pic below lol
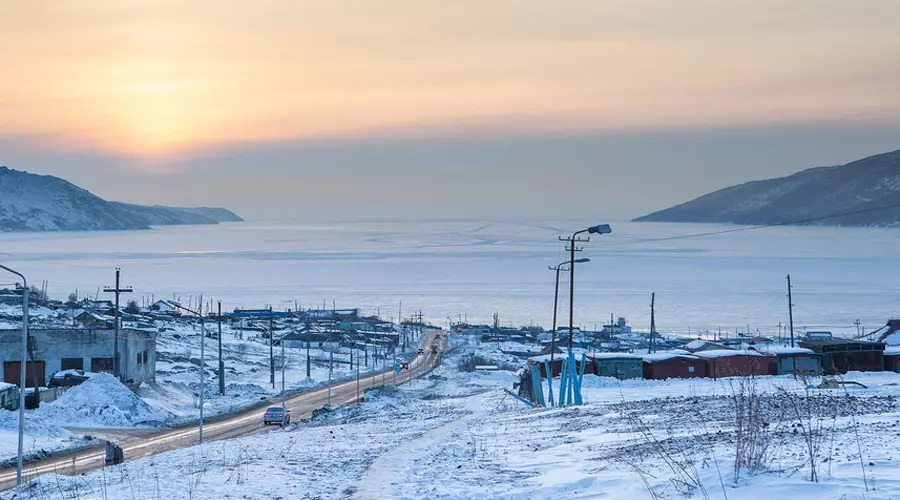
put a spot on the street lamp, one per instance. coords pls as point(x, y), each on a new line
point(598, 229)
point(558, 268)
point(22, 372)
point(202, 354)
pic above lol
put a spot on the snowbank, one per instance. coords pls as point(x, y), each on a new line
point(102, 401)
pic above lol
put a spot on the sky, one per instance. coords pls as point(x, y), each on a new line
point(420, 108)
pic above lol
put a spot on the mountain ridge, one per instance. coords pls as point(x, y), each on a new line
point(864, 192)
point(33, 202)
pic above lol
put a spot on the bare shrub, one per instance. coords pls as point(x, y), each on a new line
point(752, 436)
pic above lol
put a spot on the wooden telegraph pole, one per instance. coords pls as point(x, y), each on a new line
point(117, 290)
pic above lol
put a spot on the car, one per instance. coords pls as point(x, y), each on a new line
point(277, 415)
point(404, 366)
point(421, 351)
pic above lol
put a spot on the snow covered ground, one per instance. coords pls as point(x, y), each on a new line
point(174, 398)
point(457, 435)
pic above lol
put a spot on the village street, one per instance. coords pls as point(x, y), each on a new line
point(143, 442)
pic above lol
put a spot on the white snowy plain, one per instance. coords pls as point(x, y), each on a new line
point(457, 435)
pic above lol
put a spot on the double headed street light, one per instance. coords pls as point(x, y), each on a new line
point(22, 372)
point(558, 268)
point(598, 229)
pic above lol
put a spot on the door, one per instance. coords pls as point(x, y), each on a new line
point(12, 370)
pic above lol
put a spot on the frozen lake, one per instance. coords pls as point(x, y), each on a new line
point(732, 280)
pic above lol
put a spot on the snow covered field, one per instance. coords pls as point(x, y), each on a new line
point(457, 435)
point(479, 267)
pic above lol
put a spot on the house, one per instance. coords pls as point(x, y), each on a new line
point(90, 319)
point(58, 349)
point(165, 307)
point(844, 355)
point(792, 360)
point(673, 364)
point(703, 345)
point(734, 363)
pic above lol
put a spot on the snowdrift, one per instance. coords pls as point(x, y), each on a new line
point(102, 401)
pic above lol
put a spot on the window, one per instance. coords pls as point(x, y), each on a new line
point(72, 364)
point(101, 364)
point(690, 369)
point(145, 357)
point(140, 358)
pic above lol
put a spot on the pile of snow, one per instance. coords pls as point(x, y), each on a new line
point(102, 401)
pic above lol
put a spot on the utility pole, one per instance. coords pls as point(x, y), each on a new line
point(221, 360)
point(283, 405)
point(400, 324)
point(790, 309)
point(202, 364)
point(271, 348)
point(357, 377)
point(571, 247)
point(652, 320)
point(117, 290)
point(330, 365)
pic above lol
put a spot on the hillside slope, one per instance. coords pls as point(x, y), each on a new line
point(847, 195)
point(30, 202)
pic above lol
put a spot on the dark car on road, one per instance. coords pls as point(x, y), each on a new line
point(277, 415)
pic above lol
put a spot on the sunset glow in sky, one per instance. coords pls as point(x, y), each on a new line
point(144, 80)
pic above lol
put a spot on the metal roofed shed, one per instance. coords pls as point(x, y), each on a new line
point(844, 355)
point(729, 363)
point(793, 360)
point(618, 365)
point(892, 359)
point(556, 366)
point(672, 364)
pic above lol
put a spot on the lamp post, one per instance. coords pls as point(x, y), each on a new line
point(22, 372)
point(202, 355)
point(558, 268)
point(598, 229)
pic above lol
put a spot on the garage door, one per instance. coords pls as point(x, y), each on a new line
point(12, 370)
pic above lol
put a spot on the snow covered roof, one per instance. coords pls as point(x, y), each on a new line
point(4, 386)
point(614, 355)
point(695, 344)
point(724, 353)
point(892, 350)
point(784, 351)
point(666, 355)
point(546, 357)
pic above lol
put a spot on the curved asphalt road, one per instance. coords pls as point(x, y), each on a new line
point(143, 443)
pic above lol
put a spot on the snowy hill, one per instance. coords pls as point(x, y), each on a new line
point(30, 202)
point(858, 190)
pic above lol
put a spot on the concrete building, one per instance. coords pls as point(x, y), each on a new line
point(79, 349)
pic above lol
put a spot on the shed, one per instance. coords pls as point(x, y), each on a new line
point(9, 396)
point(844, 355)
point(619, 365)
point(792, 360)
point(892, 359)
point(670, 364)
point(728, 363)
point(556, 366)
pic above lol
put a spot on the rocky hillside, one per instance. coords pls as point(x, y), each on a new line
point(862, 193)
point(30, 202)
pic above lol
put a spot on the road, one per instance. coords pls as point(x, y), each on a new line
point(143, 443)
